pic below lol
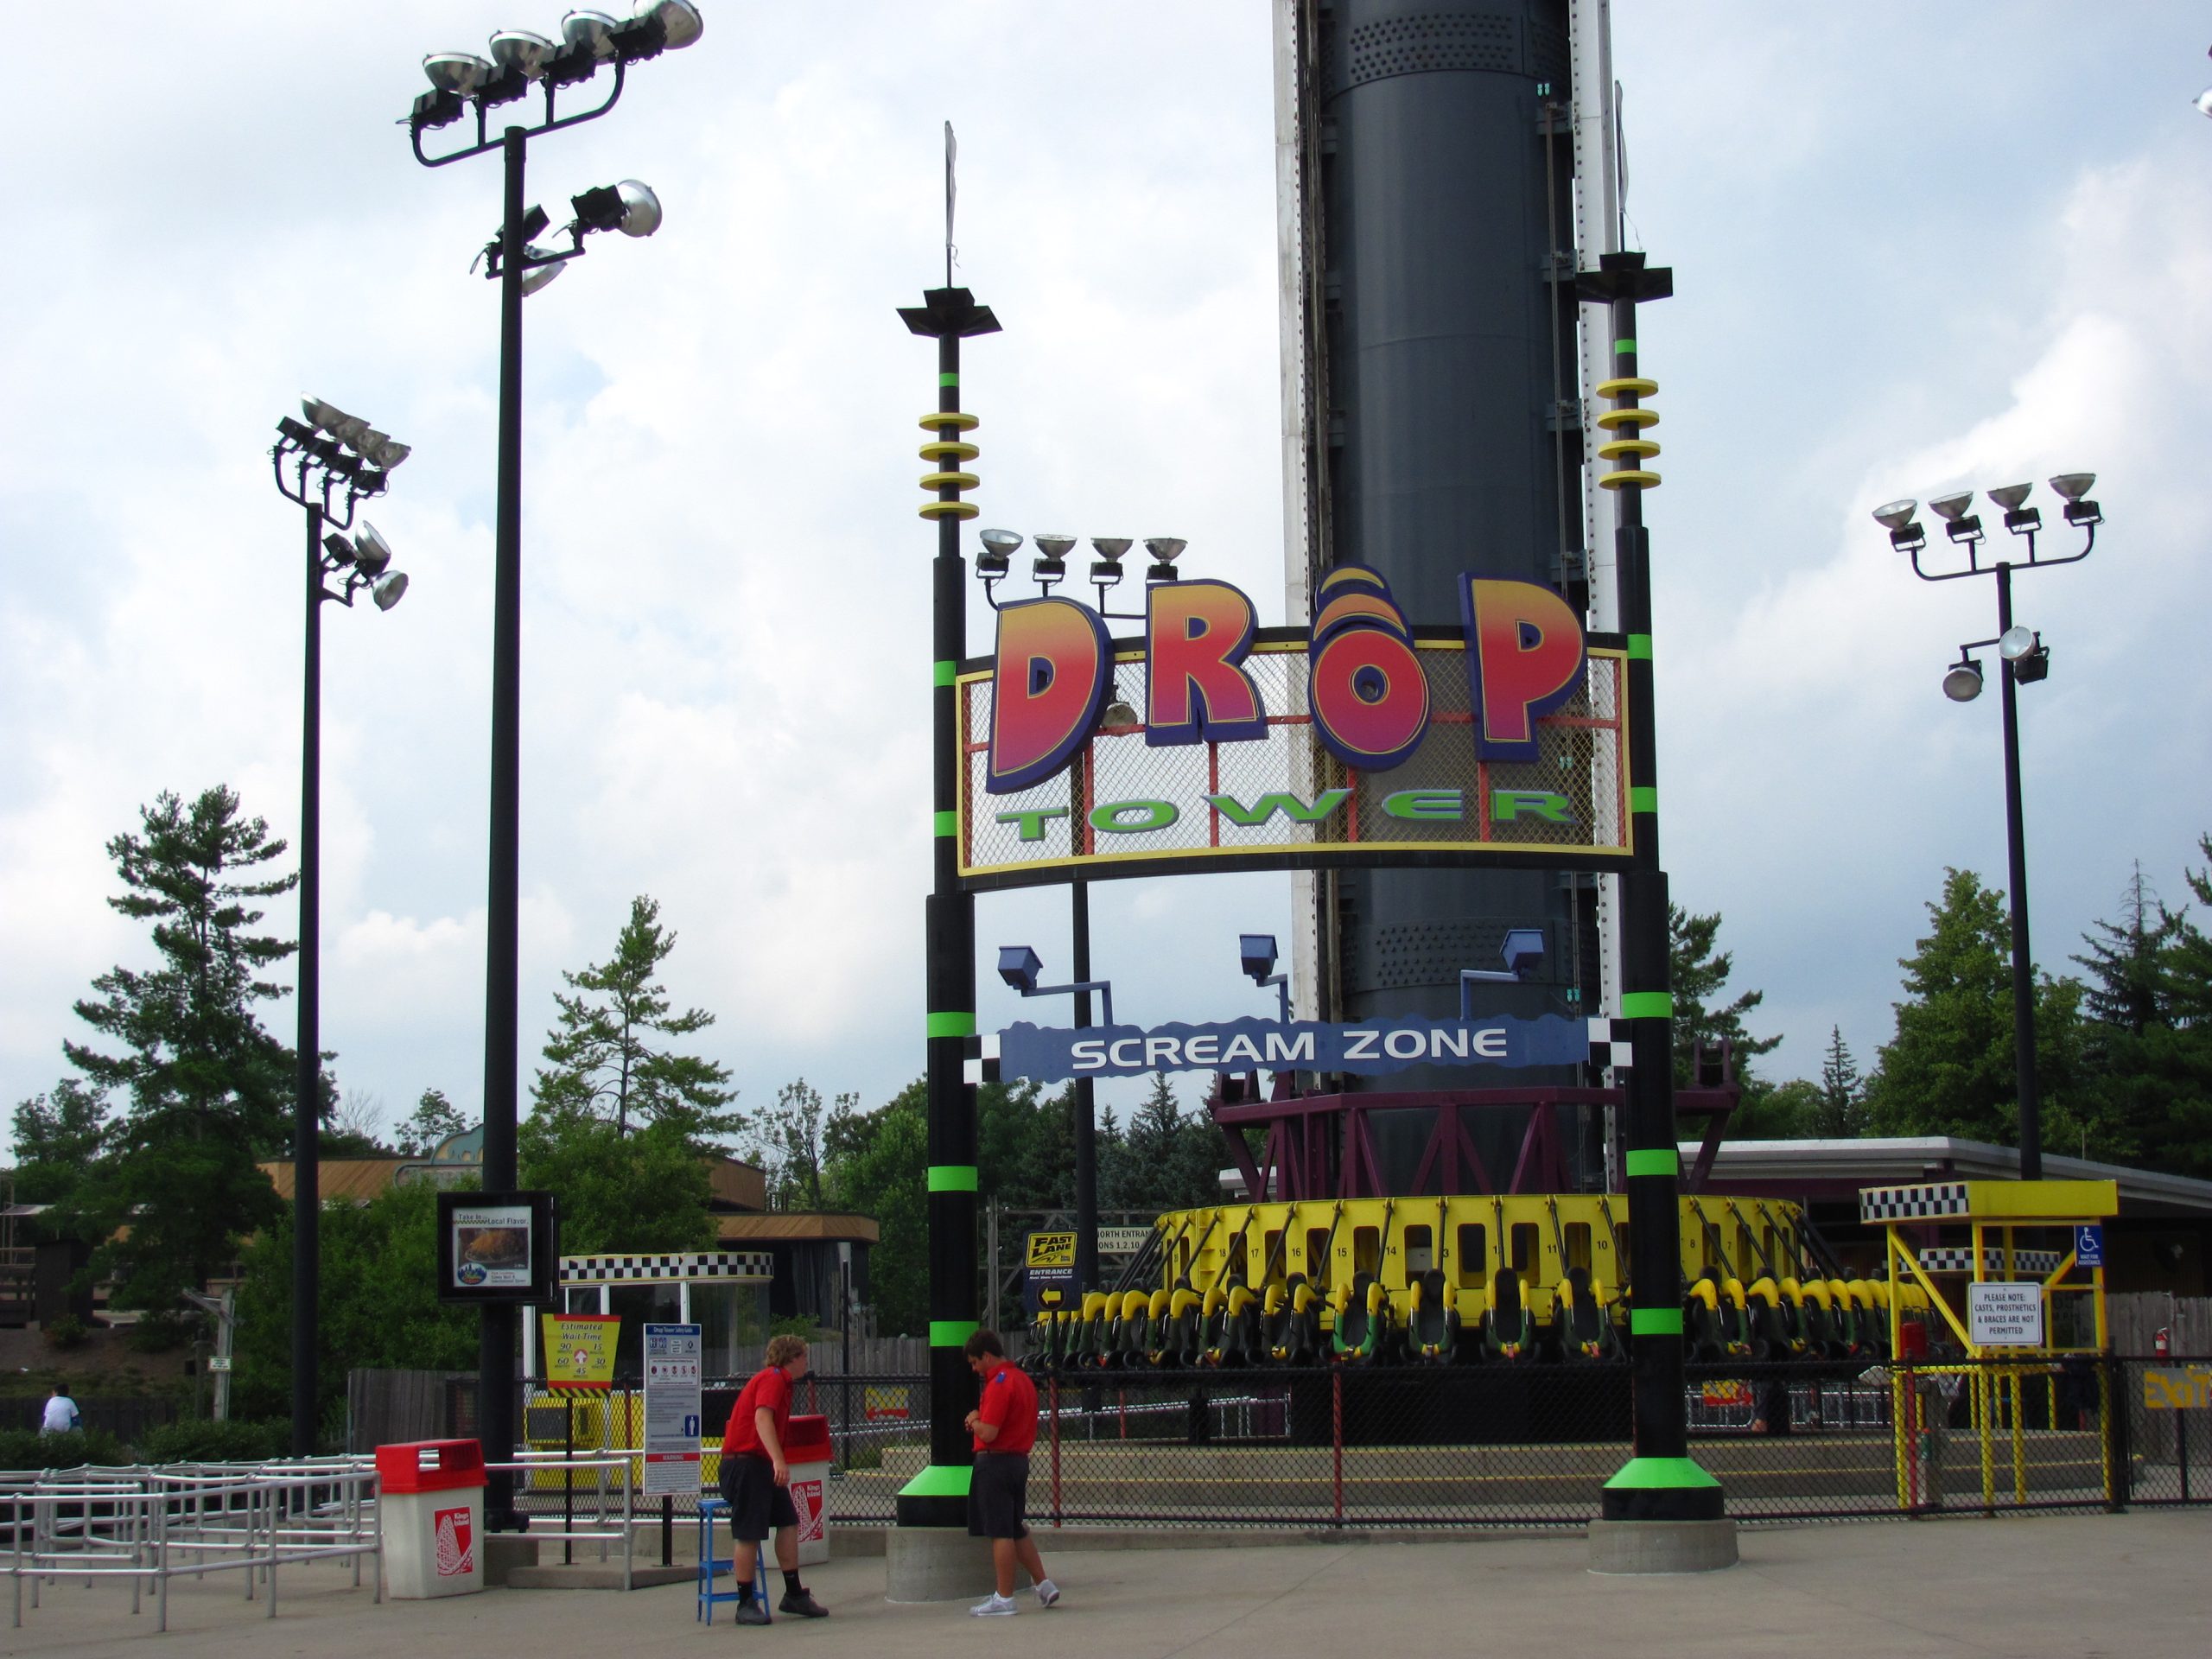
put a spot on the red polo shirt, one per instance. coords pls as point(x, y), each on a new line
point(769, 1388)
point(1009, 1405)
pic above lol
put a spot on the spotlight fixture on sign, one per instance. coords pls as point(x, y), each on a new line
point(1523, 952)
point(2022, 660)
point(1050, 568)
point(1019, 967)
point(1257, 952)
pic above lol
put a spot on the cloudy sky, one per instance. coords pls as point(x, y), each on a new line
point(1914, 247)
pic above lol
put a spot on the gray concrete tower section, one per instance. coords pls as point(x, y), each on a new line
point(1448, 349)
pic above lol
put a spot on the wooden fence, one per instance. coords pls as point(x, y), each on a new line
point(2135, 1318)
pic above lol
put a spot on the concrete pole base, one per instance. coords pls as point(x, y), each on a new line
point(936, 1564)
point(1662, 1546)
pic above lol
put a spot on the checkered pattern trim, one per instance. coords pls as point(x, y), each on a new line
point(700, 1264)
point(1610, 1047)
point(1960, 1259)
point(982, 1062)
point(1913, 1202)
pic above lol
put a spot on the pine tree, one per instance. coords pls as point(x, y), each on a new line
point(208, 1091)
point(602, 1053)
point(434, 1121)
point(1700, 975)
point(1841, 1113)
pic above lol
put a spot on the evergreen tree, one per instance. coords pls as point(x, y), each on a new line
point(207, 1090)
point(604, 1056)
point(1841, 1114)
point(1949, 1069)
point(2148, 1094)
point(645, 1190)
point(874, 1165)
point(434, 1121)
point(1699, 972)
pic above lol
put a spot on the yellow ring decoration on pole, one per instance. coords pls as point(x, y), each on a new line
point(1621, 447)
point(1627, 476)
point(949, 509)
point(959, 423)
point(949, 449)
point(1611, 418)
point(1631, 387)
point(958, 480)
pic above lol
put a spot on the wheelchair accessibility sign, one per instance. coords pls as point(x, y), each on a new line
point(2089, 1246)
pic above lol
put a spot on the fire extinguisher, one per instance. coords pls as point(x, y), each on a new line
point(2161, 1343)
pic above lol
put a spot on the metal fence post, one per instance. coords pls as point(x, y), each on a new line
point(2113, 1407)
point(1337, 1444)
point(1053, 1389)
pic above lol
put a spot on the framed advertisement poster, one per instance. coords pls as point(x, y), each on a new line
point(496, 1247)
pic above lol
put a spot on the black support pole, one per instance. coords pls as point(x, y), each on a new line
point(938, 1495)
point(495, 1401)
point(1086, 1118)
point(307, 1104)
point(2016, 853)
point(1659, 1482)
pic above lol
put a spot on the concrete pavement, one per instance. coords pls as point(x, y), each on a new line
point(2022, 1587)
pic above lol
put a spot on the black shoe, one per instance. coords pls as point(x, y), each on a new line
point(753, 1612)
point(803, 1602)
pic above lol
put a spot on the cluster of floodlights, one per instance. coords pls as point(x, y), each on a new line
point(630, 207)
point(362, 560)
point(327, 436)
point(520, 59)
point(1050, 567)
point(2022, 647)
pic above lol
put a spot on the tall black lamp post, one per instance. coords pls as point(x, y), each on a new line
point(519, 62)
point(2022, 660)
point(326, 467)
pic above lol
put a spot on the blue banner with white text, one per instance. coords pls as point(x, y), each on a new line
point(1367, 1048)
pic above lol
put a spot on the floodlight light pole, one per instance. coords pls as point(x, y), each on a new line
point(1659, 1482)
point(938, 1495)
point(1086, 1120)
point(315, 500)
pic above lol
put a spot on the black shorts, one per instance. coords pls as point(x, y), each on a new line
point(997, 1494)
point(757, 1504)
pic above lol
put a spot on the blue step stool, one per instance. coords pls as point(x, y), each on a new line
point(712, 1510)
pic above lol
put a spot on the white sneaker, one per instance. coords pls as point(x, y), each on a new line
point(994, 1605)
point(1047, 1593)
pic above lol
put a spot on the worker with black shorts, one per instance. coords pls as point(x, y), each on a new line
point(757, 1482)
point(1004, 1424)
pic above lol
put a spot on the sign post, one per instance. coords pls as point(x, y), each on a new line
point(674, 1381)
point(579, 1355)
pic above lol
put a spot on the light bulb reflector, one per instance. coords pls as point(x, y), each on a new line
point(1054, 546)
point(371, 553)
point(640, 208)
point(2009, 496)
point(320, 415)
point(594, 30)
point(1951, 508)
point(2204, 102)
point(1896, 515)
point(1001, 541)
point(2074, 486)
point(520, 50)
point(388, 589)
point(1110, 548)
point(2015, 642)
point(536, 276)
point(458, 73)
point(1165, 548)
point(1963, 682)
point(680, 21)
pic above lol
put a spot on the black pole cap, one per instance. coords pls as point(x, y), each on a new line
point(1624, 277)
point(948, 311)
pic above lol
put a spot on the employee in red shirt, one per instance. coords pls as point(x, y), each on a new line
point(757, 1481)
point(1005, 1427)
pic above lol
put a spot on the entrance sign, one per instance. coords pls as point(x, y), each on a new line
point(674, 1383)
point(1122, 1241)
point(1370, 1048)
point(1360, 741)
point(1048, 1274)
point(579, 1349)
point(2004, 1316)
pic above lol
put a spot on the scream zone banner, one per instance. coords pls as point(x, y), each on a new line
point(1373, 1048)
point(1211, 743)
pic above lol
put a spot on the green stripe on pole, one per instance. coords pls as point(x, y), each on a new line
point(952, 379)
point(1643, 798)
point(951, 1333)
point(952, 1178)
point(939, 1480)
point(952, 1025)
point(944, 673)
point(1660, 1473)
point(1654, 1322)
point(1654, 1160)
point(1647, 1004)
point(1639, 647)
point(1624, 345)
point(948, 823)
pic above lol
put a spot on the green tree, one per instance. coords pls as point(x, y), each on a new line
point(874, 1165)
point(378, 1306)
point(1841, 1113)
point(2147, 1053)
point(606, 1053)
point(786, 1143)
point(1781, 1111)
point(434, 1121)
point(58, 1137)
point(1025, 1145)
point(1949, 1070)
point(207, 1090)
point(1699, 972)
point(1177, 1159)
point(645, 1190)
